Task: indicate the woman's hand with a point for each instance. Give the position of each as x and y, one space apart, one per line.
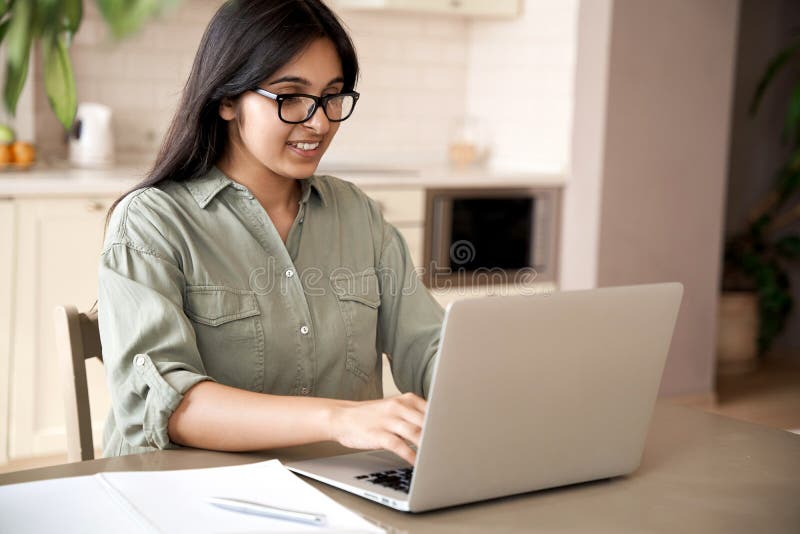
380 424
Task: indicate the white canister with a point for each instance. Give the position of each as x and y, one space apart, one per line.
91 141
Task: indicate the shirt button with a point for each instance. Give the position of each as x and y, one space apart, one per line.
301 220
304 390
289 273
304 330
139 360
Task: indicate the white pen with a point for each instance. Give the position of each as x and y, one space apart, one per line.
256 508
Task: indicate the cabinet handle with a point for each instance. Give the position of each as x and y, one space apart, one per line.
455 3
95 206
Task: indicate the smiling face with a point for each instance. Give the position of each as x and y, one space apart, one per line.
260 141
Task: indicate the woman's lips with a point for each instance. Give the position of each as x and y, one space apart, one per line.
305 153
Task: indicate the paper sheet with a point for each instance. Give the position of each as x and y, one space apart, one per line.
64 505
170 502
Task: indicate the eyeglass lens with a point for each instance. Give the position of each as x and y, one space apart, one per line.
300 108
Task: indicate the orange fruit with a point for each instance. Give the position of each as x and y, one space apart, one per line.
6 155
24 153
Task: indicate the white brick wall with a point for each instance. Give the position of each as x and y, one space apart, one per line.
412 85
413 80
532 60
420 73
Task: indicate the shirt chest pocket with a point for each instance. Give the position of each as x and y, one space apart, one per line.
359 300
230 335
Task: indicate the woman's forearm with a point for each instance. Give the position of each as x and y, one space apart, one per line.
223 418
219 417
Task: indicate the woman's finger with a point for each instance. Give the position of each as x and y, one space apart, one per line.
414 401
413 417
405 430
396 445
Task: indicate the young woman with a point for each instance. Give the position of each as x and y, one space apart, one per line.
244 302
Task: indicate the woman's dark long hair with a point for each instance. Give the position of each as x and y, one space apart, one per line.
245 43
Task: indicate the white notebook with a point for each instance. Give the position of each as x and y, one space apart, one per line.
170 502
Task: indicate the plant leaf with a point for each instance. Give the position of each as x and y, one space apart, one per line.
59 81
3 29
775 66
788 246
20 34
72 14
45 17
18 41
774 302
788 183
793 116
794 160
126 17
5 5
15 81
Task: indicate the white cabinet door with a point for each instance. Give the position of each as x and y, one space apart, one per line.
58 246
7 243
474 8
399 205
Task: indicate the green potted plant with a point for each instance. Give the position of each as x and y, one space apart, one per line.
53 24
756 285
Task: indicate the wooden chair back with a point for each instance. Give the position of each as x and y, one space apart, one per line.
77 340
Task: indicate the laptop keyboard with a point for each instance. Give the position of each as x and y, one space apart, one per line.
397 479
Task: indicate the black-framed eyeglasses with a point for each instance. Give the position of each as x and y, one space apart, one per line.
297 107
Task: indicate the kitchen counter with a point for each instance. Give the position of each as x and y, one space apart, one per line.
66 181
444 176
69 182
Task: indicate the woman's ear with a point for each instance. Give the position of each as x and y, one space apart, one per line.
227 109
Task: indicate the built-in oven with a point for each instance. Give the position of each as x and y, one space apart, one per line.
479 236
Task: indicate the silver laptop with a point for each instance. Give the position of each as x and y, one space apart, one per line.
529 392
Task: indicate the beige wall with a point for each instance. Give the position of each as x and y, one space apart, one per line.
650 143
580 227
668 118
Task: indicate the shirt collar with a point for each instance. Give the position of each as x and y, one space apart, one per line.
205 188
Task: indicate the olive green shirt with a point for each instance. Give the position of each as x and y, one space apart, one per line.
195 283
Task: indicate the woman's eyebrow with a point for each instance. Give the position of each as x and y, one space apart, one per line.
302 81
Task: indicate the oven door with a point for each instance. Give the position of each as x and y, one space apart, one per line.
483 236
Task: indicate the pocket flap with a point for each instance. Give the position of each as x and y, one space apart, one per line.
216 305
359 287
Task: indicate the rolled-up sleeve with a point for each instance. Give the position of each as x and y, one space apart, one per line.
410 319
149 347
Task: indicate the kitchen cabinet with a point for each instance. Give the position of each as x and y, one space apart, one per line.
6 327
58 241
472 8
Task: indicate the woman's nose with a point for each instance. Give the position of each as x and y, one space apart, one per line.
318 121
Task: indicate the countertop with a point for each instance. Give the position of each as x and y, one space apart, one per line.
61 180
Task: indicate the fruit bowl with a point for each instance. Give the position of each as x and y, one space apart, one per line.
17 156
